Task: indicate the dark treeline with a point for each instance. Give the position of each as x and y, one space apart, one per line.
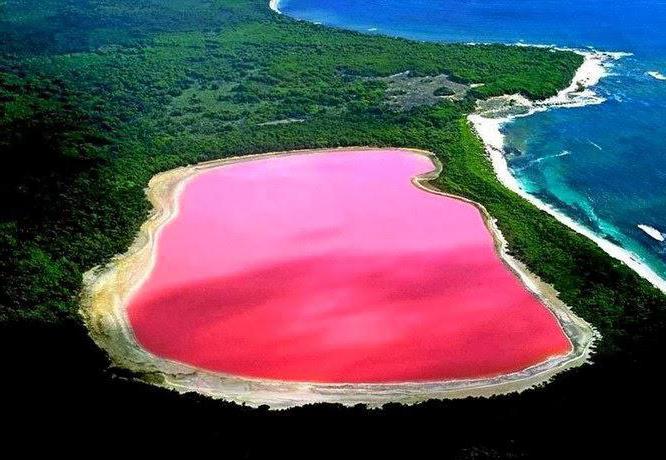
96 97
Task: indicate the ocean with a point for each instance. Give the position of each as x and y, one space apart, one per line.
604 166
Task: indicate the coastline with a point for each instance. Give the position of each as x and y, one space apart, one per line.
275 6
107 291
105 288
577 94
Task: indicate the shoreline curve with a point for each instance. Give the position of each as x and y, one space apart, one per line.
577 94
107 290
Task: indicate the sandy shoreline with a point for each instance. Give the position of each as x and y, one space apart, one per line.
577 94
107 291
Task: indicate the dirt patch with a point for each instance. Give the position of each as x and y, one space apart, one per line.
406 91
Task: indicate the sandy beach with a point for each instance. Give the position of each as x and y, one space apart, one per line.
578 94
108 289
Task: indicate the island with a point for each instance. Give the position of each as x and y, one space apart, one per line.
110 111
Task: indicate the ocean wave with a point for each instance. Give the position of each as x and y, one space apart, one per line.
656 75
653 232
563 153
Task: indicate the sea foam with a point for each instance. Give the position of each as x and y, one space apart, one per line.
653 232
656 75
275 6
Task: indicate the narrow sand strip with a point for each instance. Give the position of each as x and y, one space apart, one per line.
108 289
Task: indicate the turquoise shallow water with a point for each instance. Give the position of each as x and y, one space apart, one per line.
603 165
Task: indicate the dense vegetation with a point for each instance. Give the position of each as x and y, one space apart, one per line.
96 97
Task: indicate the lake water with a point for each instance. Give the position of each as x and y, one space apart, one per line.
603 165
319 267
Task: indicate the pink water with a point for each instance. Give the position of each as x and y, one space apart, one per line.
334 267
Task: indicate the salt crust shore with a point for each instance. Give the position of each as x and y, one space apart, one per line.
577 94
108 289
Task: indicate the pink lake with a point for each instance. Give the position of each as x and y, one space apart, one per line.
335 267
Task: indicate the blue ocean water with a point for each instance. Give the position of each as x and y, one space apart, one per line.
603 165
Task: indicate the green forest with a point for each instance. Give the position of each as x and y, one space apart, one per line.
96 97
